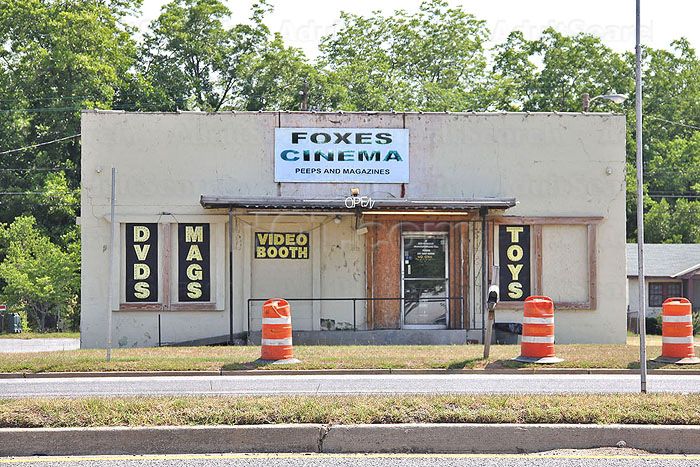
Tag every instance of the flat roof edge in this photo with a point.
(399, 204)
(365, 113)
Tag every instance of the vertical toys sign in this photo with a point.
(194, 263)
(142, 262)
(514, 261)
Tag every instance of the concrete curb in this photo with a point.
(378, 371)
(400, 438)
(158, 440)
(508, 438)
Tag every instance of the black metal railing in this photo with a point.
(354, 301)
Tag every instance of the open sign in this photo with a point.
(361, 201)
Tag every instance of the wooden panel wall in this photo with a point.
(454, 266)
(383, 274)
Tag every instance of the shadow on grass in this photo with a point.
(242, 366)
(257, 364)
(494, 365)
(509, 364)
(657, 365)
(651, 365)
(462, 364)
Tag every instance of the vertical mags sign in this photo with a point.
(194, 263)
(514, 262)
(362, 155)
(142, 262)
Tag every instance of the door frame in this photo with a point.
(446, 237)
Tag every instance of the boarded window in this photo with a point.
(565, 263)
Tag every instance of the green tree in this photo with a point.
(552, 72)
(677, 222)
(674, 166)
(658, 222)
(41, 278)
(193, 61)
(514, 71)
(275, 79)
(433, 59)
(58, 56)
(671, 142)
(671, 93)
(686, 221)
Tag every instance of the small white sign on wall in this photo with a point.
(337, 155)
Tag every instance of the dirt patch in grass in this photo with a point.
(161, 411)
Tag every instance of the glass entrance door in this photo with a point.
(424, 280)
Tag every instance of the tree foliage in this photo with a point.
(570, 66)
(194, 62)
(58, 57)
(431, 60)
(41, 278)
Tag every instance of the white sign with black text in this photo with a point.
(351, 155)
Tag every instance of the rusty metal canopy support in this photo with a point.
(340, 204)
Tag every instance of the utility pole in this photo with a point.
(305, 96)
(640, 208)
(110, 294)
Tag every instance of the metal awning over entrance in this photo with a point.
(351, 203)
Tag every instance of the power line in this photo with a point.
(40, 144)
(54, 98)
(673, 123)
(41, 169)
(26, 193)
(674, 196)
(42, 109)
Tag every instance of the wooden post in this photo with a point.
(489, 332)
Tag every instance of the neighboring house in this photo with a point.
(670, 270)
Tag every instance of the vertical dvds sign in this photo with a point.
(142, 262)
(514, 262)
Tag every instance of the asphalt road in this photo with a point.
(594, 458)
(342, 384)
(38, 345)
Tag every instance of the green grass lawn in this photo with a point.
(671, 409)
(323, 357)
(653, 340)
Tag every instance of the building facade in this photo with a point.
(670, 270)
(378, 227)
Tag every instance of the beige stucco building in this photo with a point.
(216, 212)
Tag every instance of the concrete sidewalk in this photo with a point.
(399, 438)
(38, 345)
(357, 371)
(333, 384)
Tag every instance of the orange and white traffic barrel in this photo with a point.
(677, 332)
(277, 331)
(537, 343)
